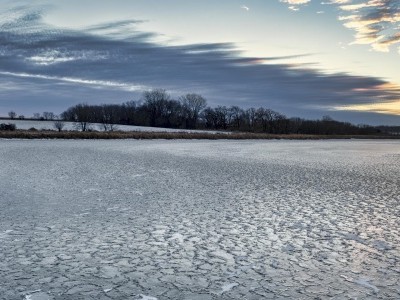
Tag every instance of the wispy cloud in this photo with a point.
(295, 2)
(40, 63)
(294, 5)
(375, 22)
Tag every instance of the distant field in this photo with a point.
(71, 126)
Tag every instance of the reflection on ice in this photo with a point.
(365, 282)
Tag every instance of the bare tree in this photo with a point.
(193, 104)
(12, 114)
(210, 117)
(295, 125)
(47, 115)
(81, 114)
(128, 110)
(251, 118)
(59, 125)
(236, 117)
(36, 116)
(216, 118)
(264, 117)
(153, 101)
(172, 113)
(221, 117)
(109, 117)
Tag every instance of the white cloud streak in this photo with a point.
(93, 83)
(295, 2)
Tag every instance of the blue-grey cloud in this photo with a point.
(45, 66)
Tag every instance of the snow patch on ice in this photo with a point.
(114, 208)
(83, 214)
(5, 233)
(228, 287)
(144, 297)
(38, 295)
(137, 175)
(224, 255)
(159, 232)
(178, 237)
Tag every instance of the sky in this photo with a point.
(302, 58)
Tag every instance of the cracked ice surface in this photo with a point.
(199, 219)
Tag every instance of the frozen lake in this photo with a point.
(199, 219)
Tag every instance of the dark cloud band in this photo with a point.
(95, 65)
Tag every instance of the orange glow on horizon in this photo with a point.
(389, 108)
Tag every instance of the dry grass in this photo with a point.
(49, 134)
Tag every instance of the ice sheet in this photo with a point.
(204, 220)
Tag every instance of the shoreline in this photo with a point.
(119, 135)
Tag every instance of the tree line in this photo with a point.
(190, 111)
(45, 116)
